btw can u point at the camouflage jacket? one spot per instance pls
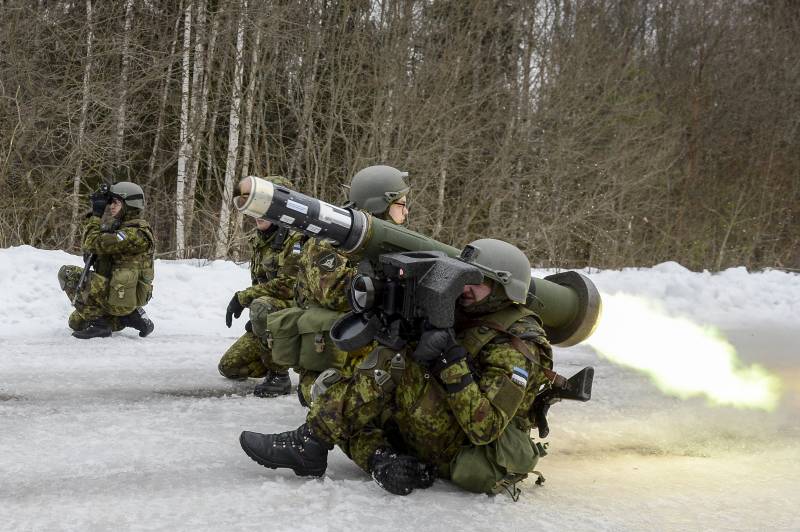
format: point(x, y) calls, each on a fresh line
point(132, 242)
point(434, 424)
point(323, 277)
point(272, 270)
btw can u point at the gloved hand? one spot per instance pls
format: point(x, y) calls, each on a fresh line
point(438, 346)
point(400, 473)
point(99, 200)
point(248, 326)
point(234, 310)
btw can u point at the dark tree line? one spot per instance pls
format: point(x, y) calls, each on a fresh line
point(588, 132)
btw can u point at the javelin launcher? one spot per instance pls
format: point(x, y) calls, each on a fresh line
point(409, 277)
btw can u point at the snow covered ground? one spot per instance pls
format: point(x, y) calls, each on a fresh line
point(142, 434)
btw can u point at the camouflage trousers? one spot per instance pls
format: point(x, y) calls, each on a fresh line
point(247, 357)
point(92, 303)
point(342, 414)
point(347, 363)
point(356, 415)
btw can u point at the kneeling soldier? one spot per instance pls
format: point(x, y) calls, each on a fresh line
point(118, 245)
point(458, 406)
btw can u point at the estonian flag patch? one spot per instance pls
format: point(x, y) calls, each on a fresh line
point(519, 376)
point(120, 236)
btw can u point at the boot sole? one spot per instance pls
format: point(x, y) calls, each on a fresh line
point(90, 337)
point(271, 465)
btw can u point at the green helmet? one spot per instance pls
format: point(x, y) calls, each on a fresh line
point(503, 263)
point(374, 188)
point(130, 193)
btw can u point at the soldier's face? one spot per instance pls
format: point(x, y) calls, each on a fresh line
point(263, 224)
point(398, 211)
point(474, 293)
point(116, 206)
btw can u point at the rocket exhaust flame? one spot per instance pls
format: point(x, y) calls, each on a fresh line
point(683, 359)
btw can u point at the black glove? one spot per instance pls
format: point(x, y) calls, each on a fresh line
point(234, 309)
point(400, 473)
point(438, 347)
point(99, 199)
point(248, 326)
point(98, 204)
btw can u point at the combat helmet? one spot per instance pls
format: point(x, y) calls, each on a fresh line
point(375, 188)
point(130, 193)
point(502, 262)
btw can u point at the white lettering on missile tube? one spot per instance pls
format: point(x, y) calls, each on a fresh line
point(313, 228)
point(287, 219)
point(299, 207)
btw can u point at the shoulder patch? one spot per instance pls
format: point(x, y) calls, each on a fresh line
point(519, 376)
point(297, 248)
point(120, 235)
point(328, 262)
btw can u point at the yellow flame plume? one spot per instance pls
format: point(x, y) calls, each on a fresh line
point(682, 358)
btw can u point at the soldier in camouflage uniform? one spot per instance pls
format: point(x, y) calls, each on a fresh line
point(324, 275)
point(120, 245)
point(457, 407)
point(273, 268)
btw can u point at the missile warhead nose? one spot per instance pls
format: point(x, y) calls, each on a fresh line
point(243, 187)
point(253, 196)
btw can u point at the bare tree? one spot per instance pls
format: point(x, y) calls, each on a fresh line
point(233, 139)
point(151, 165)
point(185, 151)
point(87, 73)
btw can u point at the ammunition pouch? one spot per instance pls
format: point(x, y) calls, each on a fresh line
point(496, 467)
point(384, 365)
point(299, 338)
point(282, 336)
point(317, 351)
point(122, 288)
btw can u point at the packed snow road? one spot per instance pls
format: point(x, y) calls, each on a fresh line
point(142, 434)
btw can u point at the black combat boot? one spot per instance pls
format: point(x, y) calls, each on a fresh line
point(97, 328)
point(298, 450)
point(275, 383)
point(139, 320)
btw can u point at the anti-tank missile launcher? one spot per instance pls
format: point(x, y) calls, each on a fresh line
point(567, 302)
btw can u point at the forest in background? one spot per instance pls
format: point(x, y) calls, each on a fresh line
point(603, 133)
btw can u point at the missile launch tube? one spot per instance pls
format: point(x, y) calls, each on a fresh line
point(568, 302)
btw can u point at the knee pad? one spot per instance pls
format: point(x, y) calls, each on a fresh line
point(62, 277)
point(325, 380)
point(260, 308)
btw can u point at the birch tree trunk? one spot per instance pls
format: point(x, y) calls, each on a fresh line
point(123, 81)
point(195, 125)
point(164, 93)
point(248, 122)
point(440, 189)
point(309, 97)
point(211, 168)
point(233, 141)
point(248, 110)
point(185, 150)
point(87, 71)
